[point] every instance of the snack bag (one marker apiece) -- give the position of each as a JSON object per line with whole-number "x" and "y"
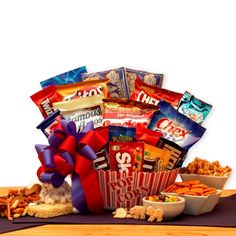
{"x": 194, "y": 108}
{"x": 126, "y": 157}
{"x": 152, "y": 94}
{"x": 147, "y": 135}
{"x": 155, "y": 159}
{"x": 146, "y": 77}
{"x": 175, "y": 126}
{"x": 50, "y": 123}
{"x": 123, "y": 112}
{"x": 82, "y": 110}
{"x": 102, "y": 160}
{"x": 178, "y": 154}
{"x": 121, "y": 134}
{"x": 44, "y": 99}
{"x": 68, "y": 77}
{"x": 83, "y": 89}
{"x": 117, "y": 81}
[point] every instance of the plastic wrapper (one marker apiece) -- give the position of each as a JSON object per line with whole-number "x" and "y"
{"x": 117, "y": 86}
{"x": 68, "y": 77}
{"x": 147, "y": 77}
{"x": 175, "y": 126}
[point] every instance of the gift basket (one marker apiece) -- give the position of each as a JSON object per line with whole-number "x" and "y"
{"x": 118, "y": 134}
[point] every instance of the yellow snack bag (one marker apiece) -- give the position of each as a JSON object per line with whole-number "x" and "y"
{"x": 155, "y": 159}
{"x": 83, "y": 89}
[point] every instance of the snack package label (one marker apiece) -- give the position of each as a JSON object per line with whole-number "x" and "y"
{"x": 83, "y": 116}
{"x": 152, "y": 94}
{"x": 44, "y": 100}
{"x": 178, "y": 154}
{"x": 126, "y": 156}
{"x": 146, "y": 77}
{"x": 82, "y": 110}
{"x": 117, "y": 86}
{"x": 68, "y": 77}
{"x": 155, "y": 159}
{"x": 122, "y": 134}
{"x": 126, "y": 113}
{"x": 193, "y": 108}
{"x": 102, "y": 160}
{"x": 83, "y": 89}
{"x": 175, "y": 126}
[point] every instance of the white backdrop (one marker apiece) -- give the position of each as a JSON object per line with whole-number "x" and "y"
{"x": 192, "y": 42}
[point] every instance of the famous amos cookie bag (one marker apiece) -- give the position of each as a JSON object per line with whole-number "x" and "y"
{"x": 68, "y": 77}
{"x": 82, "y": 110}
{"x": 147, "y": 77}
{"x": 83, "y": 89}
{"x": 175, "y": 126}
{"x": 152, "y": 94}
{"x": 194, "y": 108}
{"x": 124, "y": 112}
{"x": 117, "y": 86}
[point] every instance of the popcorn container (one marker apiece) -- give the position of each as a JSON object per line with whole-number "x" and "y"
{"x": 127, "y": 189}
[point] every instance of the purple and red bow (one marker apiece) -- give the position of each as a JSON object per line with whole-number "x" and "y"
{"x": 72, "y": 153}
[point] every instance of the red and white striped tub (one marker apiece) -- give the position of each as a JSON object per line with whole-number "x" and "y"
{"x": 126, "y": 190}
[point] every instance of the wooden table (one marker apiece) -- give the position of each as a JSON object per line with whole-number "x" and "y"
{"x": 125, "y": 230}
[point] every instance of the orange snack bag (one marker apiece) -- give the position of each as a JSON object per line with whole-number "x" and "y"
{"x": 155, "y": 159}
{"x": 83, "y": 89}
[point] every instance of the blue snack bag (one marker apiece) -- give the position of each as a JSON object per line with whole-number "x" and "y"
{"x": 175, "y": 126}
{"x": 193, "y": 108}
{"x": 121, "y": 134}
{"x": 68, "y": 77}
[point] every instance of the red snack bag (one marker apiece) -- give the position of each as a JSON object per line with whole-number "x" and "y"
{"x": 126, "y": 156}
{"x": 147, "y": 135}
{"x": 124, "y": 112}
{"x": 152, "y": 94}
{"x": 45, "y": 98}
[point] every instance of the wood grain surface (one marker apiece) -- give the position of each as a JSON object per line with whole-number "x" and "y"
{"x": 125, "y": 230}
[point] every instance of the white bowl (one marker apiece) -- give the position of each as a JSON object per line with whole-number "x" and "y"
{"x": 197, "y": 205}
{"x": 171, "y": 209}
{"x": 217, "y": 182}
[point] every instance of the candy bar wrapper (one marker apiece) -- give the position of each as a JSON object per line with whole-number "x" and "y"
{"x": 152, "y": 94}
{"x": 123, "y": 112}
{"x": 117, "y": 86}
{"x": 121, "y": 134}
{"x": 44, "y": 100}
{"x": 83, "y": 89}
{"x": 175, "y": 126}
{"x": 146, "y": 77}
{"x": 82, "y": 110}
{"x": 155, "y": 159}
{"x": 148, "y": 136}
{"x": 127, "y": 189}
{"x": 102, "y": 160}
{"x": 194, "y": 108}
{"x": 126, "y": 156}
{"x": 68, "y": 77}
{"x": 178, "y": 154}
{"x": 50, "y": 123}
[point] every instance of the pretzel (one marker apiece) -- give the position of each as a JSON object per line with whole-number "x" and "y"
{"x": 16, "y": 202}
